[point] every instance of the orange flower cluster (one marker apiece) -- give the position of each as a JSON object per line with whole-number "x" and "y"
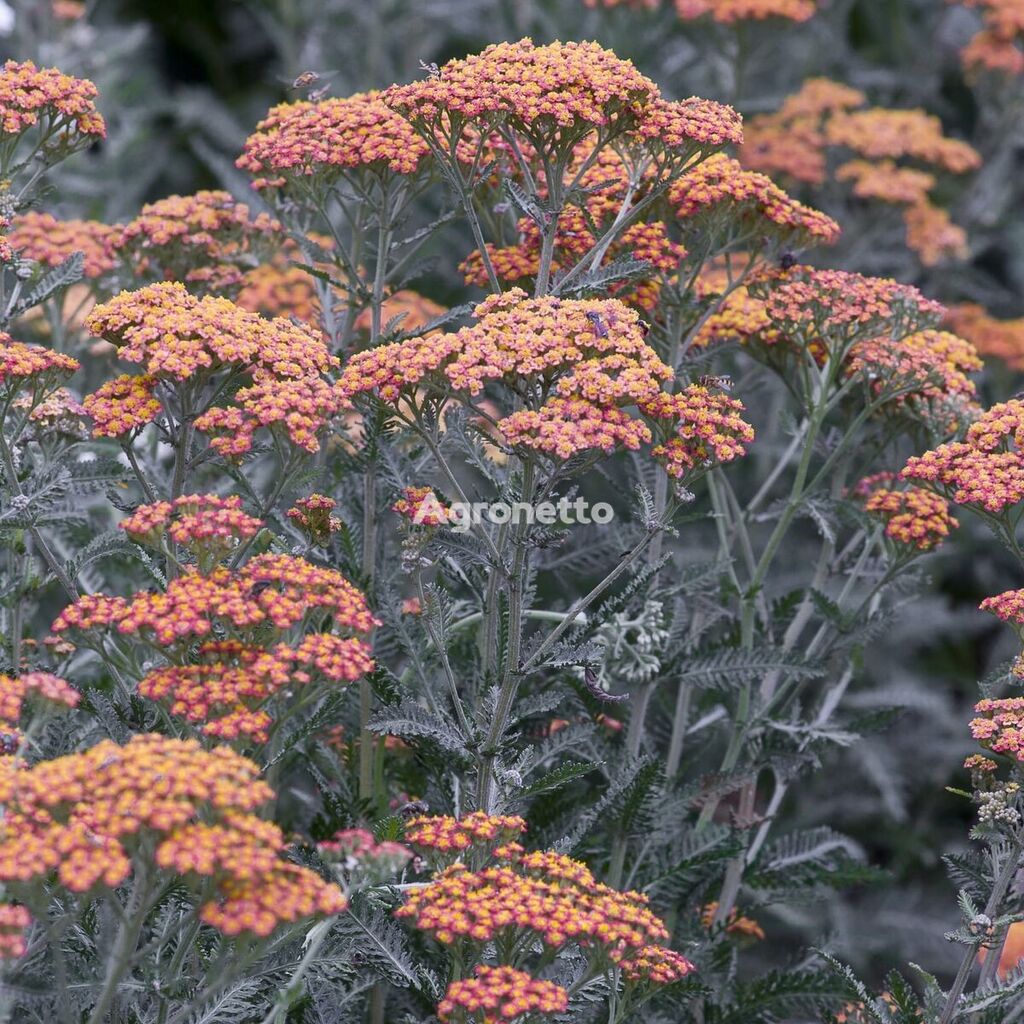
{"x": 209, "y": 525}
{"x": 914, "y": 517}
{"x": 41, "y": 685}
{"x": 550, "y": 896}
{"x": 422, "y": 506}
{"x": 500, "y": 995}
{"x": 668, "y": 127}
{"x": 657, "y": 965}
{"x": 593, "y": 358}
{"x": 313, "y": 516}
{"x": 540, "y": 88}
{"x": 997, "y": 47}
{"x": 1000, "y": 725}
{"x": 29, "y": 94}
{"x": 986, "y": 469}
{"x": 824, "y": 116}
{"x": 736, "y": 925}
{"x": 41, "y": 237}
{"x": 78, "y": 816}
{"x": 740, "y": 317}
{"x": 206, "y": 240}
{"x": 13, "y": 922}
{"x": 279, "y": 590}
{"x": 443, "y": 834}
{"x": 1003, "y": 339}
{"x": 230, "y": 688}
{"x": 720, "y": 181}
{"x": 303, "y": 142}
{"x": 728, "y": 12}
{"x": 177, "y": 336}
{"x": 34, "y": 365}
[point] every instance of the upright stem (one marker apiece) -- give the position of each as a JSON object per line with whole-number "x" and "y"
{"x": 511, "y": 673}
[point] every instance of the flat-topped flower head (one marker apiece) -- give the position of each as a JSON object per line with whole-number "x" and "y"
{"x": 208, "y": 240}
{"x": 1000, "y": 726}
{"x": 207, "y": 524}
{"x": 500, "y": 995}
{"x": 1002, "y": 339}
{"x": 913, "y": 517}
{"x": 307, "y": 145}
{"x": 836, "y": 306}
{"x": 728, "y": 12}
{"x": 49, "y": 241}
{"x": 539, "y": 90}
{"x": 444, "y": 834}
{"x": 79, "y": 817}
{"x": 41, "y": 687}
{"x": 654, "y": 965}
{"x": 31, "y": 96}
{"x": 689, "y": 125}
{"x": 31, "y": 369}
{"x": 231, "y": 690}
{"x": 720, "y": 184}
{"x": 313, "y": 516}
{"x": 177, "y": 337}
{"x": 278, "y": 590}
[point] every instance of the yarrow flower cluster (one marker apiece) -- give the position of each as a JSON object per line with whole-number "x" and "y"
{"x": 305, "y": 144}
{"x": 1000, "y": 725}
{"x": 13, "y": 922}
{"x": 998, "y": 45}
{"x": 593, "y": 357}
{"x": 730, "y": 11}
{"x": 31, "y": 369}
{"x": 543, "y": 894}
{"x": 986, "y": 469}
{"x": 1003, "y": 339}
{"x": 207, "y": 240}
{"x": 824, "y": 117}
{"x": 49, "y": 241}
{"x": 238, "y": 681}
{"x": 210, "y": 526}
{"x": 440, "y": 834}
{"x": 178, "y": 337}
{"x": 422, "y": 506}
{"x": 540, "y": 88}
{"x": 913, "y": 517}
{"x": 78, "y": 817}
{"x": 31, "y": 96}
{"x": 360, "y": 859}
{"x": 40, "y": 686}
{"x": 313, "y": 516}
{"x": 500, "y": 995}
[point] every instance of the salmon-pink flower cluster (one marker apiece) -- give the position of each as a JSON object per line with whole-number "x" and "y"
{"x": 823, "y": 118}
{"x": 47, "y": 240}
{"x": 729, "y": 12}
{"x": 13, "y": 922}
{"x": 313, "y": 516}
{"x": 207, "y": 240}
{"x": 177, "y": 337}
{"x": 279, "y": 590}
{"x": 914, "y": 517}
{"x": 305, "y": 143}
{"x": 594, "y": 361}
{"x": 421, "y": 506}
{"x": 541, "y": 89}
{"x": 359, "y": 856}
{"x": 671, "y": 127}
{"x": 1003, "y": 339}
{"x": 31, "y": 366}
{"x": 986, "y": 469}
{"x": 79, "y": 818}
{"x": 657, "y": 965}
{"x": 835, "y": 307}
{"x": 1000, "y": 726}
{"x": 443, "y": 834}
{"x": 500, "y": 995}
{"x": 29, "y": 95}
{"x": 998, "y": 45}
{"x": 43, "y": 686}
{"x": 206, "y": 523}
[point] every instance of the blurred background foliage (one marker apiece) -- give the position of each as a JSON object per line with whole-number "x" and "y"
{"x": 182, "y": 83}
